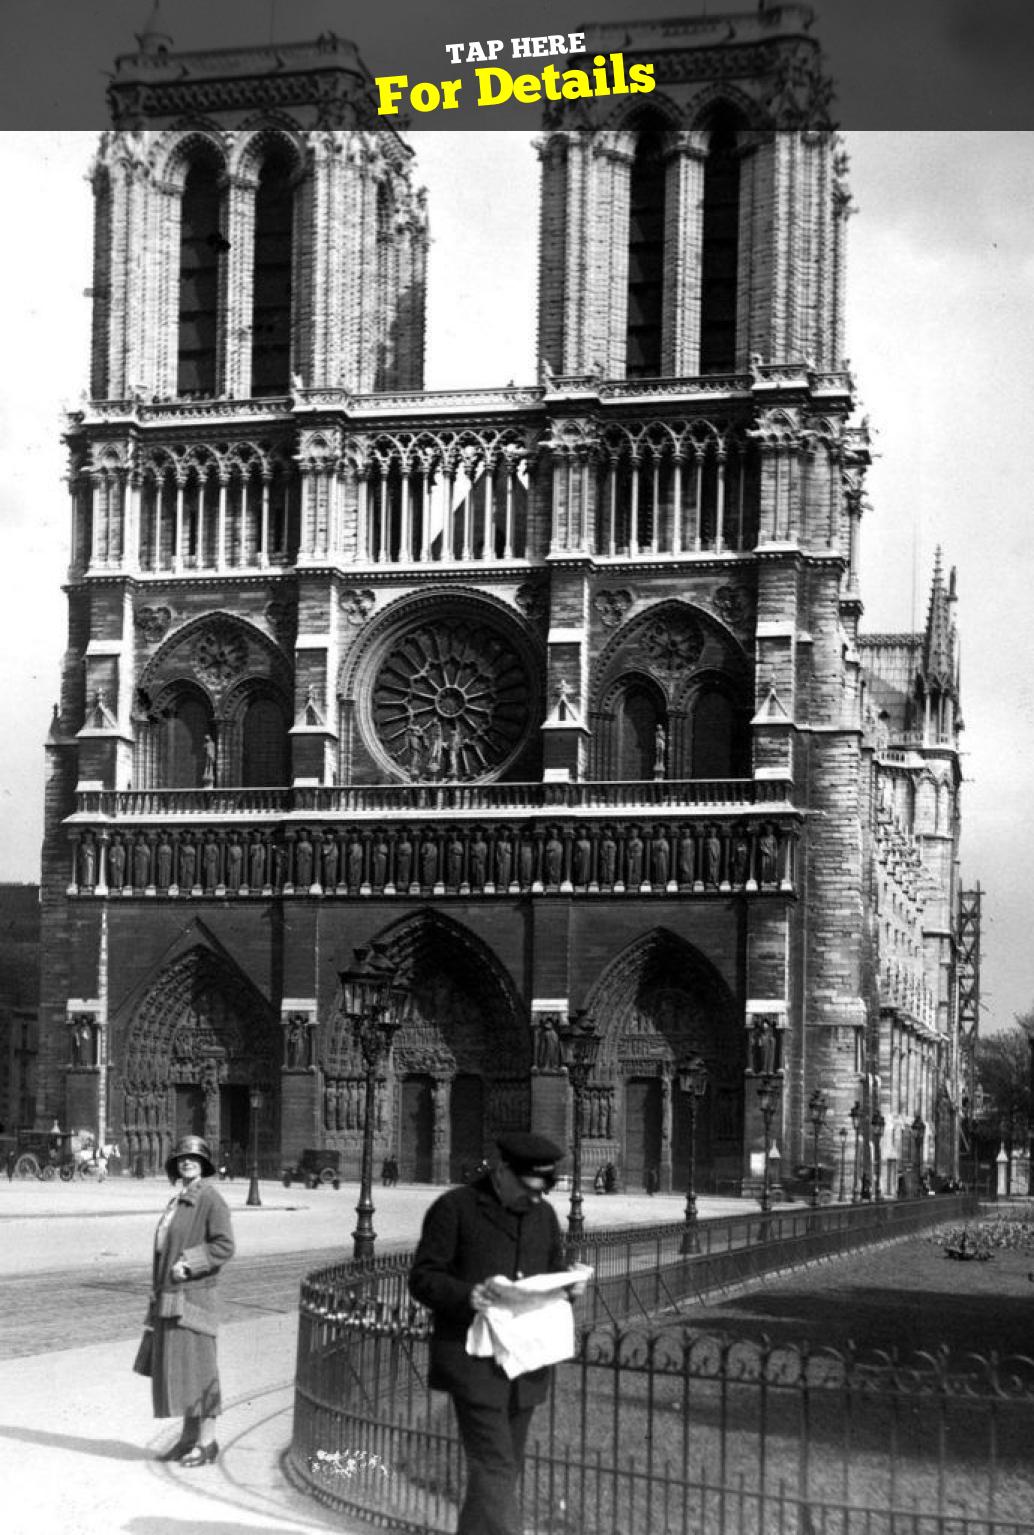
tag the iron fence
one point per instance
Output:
(656, 1428)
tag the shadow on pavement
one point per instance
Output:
(106, 1449)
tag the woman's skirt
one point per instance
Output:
(184, 1373)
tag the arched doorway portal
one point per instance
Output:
(658, 1003)
(460, 1069)
(195, 1044)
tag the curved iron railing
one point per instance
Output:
(655, 1426)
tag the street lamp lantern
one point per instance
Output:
(372, 1001)
(693, 1086)
(818, 1107)
(877, 1123)
(855, 1117)
(579, 1047)
(255, 1101)
(768, 1093)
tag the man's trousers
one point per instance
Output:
(493, 1441)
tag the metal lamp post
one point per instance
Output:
(693, 1084)
(818, 1107)
(372, 1000)
(843, 1164)
(767, 1094)
(254, 1104)
(878, 1123)
(855, 1118)
(579, 1047)
(918, 1134)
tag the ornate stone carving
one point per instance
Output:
(735, 605)
(220, 654)
(673, 642)
(532, 597)
(153, 623)
(612, 606)
(356, 604)
(450, 701)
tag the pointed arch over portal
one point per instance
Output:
(460, 1069)
(195, 1041)
(658, 1003)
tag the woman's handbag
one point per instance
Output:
(145, 1353)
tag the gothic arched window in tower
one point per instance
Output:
(638, 714)
(271, 311)
(264, 753)
(201, 246)
(719, 253)
(645, 256)
(187, 726)
(718, 736)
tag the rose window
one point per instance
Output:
(451, 701)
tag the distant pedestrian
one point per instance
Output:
(193, 1240)
(653, 1181)
(11, 1160)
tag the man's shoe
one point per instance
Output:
(201, 1455)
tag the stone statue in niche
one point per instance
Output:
(740, 859)
(210, 861)
(414, 749)
(379, 861)
(163, 862)
(188, 862)
(712, 857)
(297, 1042)
(303, 861)
(553, 858)
(764, 1045)
(686, 858)
(454, 860)
(478, 860)
(634, 857)
(768, 856)
(503, 859)
(354, 860)
(87, 862)
(608, 858)
(582, 859)
(257, 862)
(404, 861)
(234, 861)
(116, 863)
(429, 861)
(142, 862)
(659, 858)
(208, 764)
(547, 1044)
(660, 751)
(329, 860)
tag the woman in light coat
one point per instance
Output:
(193, 1240)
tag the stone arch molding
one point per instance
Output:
(669, 641)
(660, 1000)
(217, 654)
(462, 1012)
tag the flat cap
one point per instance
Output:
(527, 1152)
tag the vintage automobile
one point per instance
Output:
(800, 1183)
(316, 1165)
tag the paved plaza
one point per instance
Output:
(77, 1440)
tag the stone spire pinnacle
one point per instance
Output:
(155, 38)
(938, 662)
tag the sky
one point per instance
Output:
(940, 337)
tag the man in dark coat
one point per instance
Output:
(498, 1226)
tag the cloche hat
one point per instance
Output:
(190, 1146)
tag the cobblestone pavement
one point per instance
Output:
(43, 1312)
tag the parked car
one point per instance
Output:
(315, 1166)
(800, 1182)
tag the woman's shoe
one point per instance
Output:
(201, 1455)
(179, 1449)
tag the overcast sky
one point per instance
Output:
(940, 339)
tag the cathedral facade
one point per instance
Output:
(557, 692)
